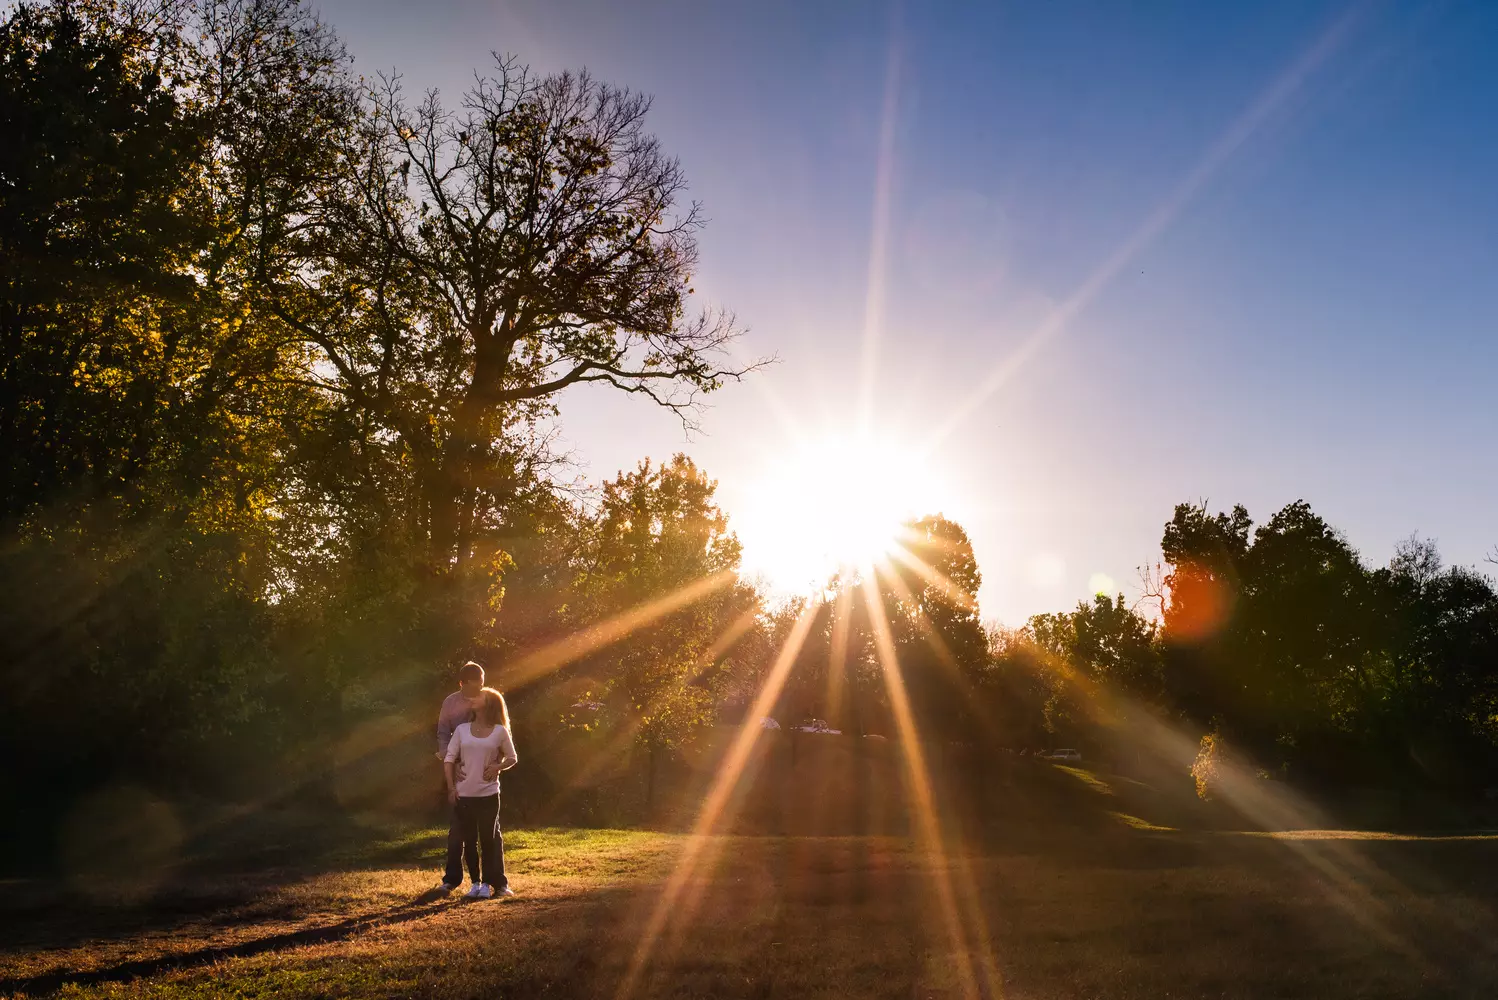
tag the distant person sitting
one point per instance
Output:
(484, 748)
(457, 709)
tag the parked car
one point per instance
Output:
(817, 726)
(1062, 755)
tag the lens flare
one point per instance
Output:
(701, 845)
(919, 779)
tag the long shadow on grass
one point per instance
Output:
(50, 981)
(243, 868)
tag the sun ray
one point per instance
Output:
(558, 654)
(1279, 90)
(779, 408)
(966, 883)
(943, 652)
(837, 667)
(919, 779)
(1347, 878)
(901, 554)
(874, 290)
(620, 741)
(700, 840)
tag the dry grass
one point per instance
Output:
(1123, 907)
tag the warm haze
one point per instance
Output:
(549, 498)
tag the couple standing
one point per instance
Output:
(474, 745)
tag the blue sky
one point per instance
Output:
(1240, 253)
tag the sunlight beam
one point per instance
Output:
(621, 740)
(923, 569)
(837, 669)
(558, 654)
(724, 784)
(920, 789)
(966, 883)
(943, 652)
(1348, 880)
(1273, 97)
(874, 291)
(777, 404)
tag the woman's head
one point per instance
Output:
(492, 708)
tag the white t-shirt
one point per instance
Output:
(477, 753)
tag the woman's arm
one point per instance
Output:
(507, 758)
(454, 758)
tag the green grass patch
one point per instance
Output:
(1087, 778)
(601, 854)
(1136, 823)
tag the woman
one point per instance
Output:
(483, 748)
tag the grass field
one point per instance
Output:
(1124, 907)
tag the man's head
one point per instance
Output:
(470, 679)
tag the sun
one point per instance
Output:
(833, 501)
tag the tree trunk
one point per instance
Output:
(454, 473)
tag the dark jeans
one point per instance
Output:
(454, 874)
(475, 837)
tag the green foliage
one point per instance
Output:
(1206, 770)
(1105, 644)
(143, 403)
(1321, 664)
(659, 534)
(932, 606)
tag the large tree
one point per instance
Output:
(479, 261)
(154, 158)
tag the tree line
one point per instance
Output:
(283, 349)
(1278, 645)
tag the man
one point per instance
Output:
(457, 708)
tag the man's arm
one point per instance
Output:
(444, 730)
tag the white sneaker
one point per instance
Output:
(504, 892)
(479, 891)
(445, 887)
